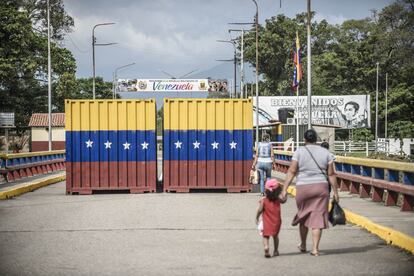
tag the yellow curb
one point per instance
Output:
(31, 186)
(389, 235)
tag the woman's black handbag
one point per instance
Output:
(336, 214)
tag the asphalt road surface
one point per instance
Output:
(49, 233)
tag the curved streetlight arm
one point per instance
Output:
(93, 52)
(115, 77)
(102, 24)
(257, 7)
(228, 41)
(121, 67)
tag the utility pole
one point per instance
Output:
(49, 80)
(309, 67)
(241, 60)
(93, 52)
(235, 62)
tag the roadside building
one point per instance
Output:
(39, 131)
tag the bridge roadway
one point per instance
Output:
(46, 232)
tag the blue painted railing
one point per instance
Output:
(369, 178)
(17, 165)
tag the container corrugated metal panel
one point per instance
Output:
(208, 144)
(110, 145)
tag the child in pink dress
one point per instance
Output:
(269, 209)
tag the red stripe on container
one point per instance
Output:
(229, 173)
(113, 174)
(182, 175)
(132, 174)
(95, 174)
(103, 174)
(123, 174)
(68, 177)
(86, 177)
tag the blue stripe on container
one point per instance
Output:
(77, 150)
(189, 139)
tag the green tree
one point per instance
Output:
(23, 57)
(344, 60)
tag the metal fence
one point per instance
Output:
(361, 147)
(341, 147)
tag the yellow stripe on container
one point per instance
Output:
(208, 114)
(110, 115)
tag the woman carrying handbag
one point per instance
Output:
(313, 167)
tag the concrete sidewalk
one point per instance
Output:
(28, 184)
(376, 212)
(388, 223)
(50, 233)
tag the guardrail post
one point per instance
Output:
(354, 187)
(366, 171)
(408, 178)
(365, 190)
(379, 173)
(378, 193)
(338, 166)
(393, 176)
(346, 168)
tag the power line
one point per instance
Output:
(76, 46)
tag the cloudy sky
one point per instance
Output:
(178, 36)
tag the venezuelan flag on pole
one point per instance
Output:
(208, 144)
(297, 70)
(110, 145)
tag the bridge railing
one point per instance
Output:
(390, 182)
(17, 165)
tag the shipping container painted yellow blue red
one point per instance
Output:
(207, 144)
(110, 145)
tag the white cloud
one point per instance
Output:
(173, 35)
(332, 19)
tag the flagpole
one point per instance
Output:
(297, 76)
(309, 67)
(297, 116)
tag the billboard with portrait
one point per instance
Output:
(217, 85)
(349, 111)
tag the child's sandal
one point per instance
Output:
(275, 253)
(266, 253)
(301, 249)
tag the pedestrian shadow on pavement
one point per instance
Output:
(345, 250)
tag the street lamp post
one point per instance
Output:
(235, 63)
(115, 77)
(93, 52)
(257, 70)
(49, 79)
